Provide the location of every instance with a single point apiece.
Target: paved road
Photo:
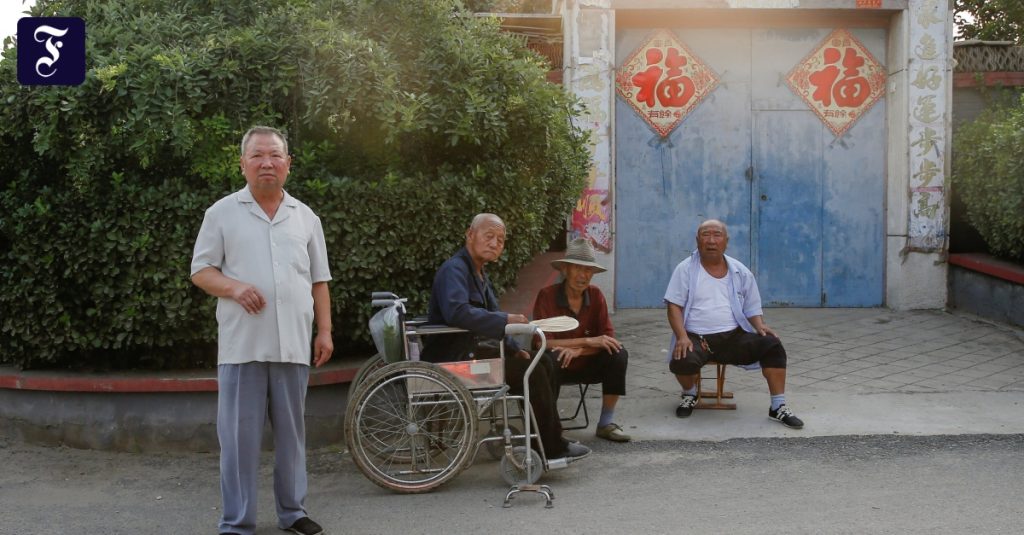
(851, 484)
(914, 425)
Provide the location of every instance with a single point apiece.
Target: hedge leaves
(404, 119)
(988, 171)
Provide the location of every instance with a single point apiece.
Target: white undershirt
(710, 311)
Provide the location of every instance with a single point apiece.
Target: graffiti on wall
(927, 96)
(663, 81)
(592, 217)
(839, 80)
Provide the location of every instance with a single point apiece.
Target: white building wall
(921, 48)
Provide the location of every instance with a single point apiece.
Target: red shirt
(593, 316)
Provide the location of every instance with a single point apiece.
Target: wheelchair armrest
(418, 320)
(426, 330)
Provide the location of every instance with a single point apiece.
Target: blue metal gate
(805, 209)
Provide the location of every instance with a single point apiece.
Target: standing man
(462, 297)
(589, 353)
(262, 253)
(714, 309)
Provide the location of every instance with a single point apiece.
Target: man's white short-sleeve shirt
(281, 258)
(744, 297)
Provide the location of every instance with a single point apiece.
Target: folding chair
(584, 387)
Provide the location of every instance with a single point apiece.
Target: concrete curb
(651, 416)
(162, 411)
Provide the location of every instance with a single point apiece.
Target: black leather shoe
(306, 526)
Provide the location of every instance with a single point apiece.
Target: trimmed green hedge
(404, 120)
(988, 173)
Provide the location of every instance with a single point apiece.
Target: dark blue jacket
(459, 298)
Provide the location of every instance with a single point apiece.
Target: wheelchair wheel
(371, 365)
(513, 471)
(411, 427)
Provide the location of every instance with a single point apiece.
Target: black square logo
(51, 51)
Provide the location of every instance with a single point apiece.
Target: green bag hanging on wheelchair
(386, 329)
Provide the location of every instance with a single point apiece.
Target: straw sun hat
(581, 253)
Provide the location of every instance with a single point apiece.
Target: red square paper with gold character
(840, 80)
(664, 81)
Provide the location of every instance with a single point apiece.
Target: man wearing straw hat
(590, 353)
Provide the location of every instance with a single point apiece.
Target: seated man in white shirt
(714, 309)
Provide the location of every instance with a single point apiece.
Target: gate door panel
(805, 208)
(666, 186)
(787, 164)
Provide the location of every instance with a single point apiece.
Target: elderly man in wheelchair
(462, 297)
(412, 426)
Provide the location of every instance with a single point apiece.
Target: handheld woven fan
(557, 324)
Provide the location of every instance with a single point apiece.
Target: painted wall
(917, 208)
(590, 54)
(917, 130)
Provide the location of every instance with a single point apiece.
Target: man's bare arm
(323, 344)
(215, 283)
(761, 327)
(676, 321)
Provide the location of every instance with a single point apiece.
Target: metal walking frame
(411, 426)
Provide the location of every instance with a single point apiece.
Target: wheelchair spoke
(412, 427)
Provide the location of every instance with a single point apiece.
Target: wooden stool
(712, 399)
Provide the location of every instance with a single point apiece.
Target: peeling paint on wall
(591, 82)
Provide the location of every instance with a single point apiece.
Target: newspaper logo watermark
(51, 51)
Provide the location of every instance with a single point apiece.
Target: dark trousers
(731, 347)
(606, 368)
(543, 385)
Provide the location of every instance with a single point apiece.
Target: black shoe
(306, 526)
(786, 417)
(685, 408)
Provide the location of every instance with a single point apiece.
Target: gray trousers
(247, 395)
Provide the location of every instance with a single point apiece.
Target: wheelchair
(412, 426)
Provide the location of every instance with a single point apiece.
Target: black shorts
(731, 347)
